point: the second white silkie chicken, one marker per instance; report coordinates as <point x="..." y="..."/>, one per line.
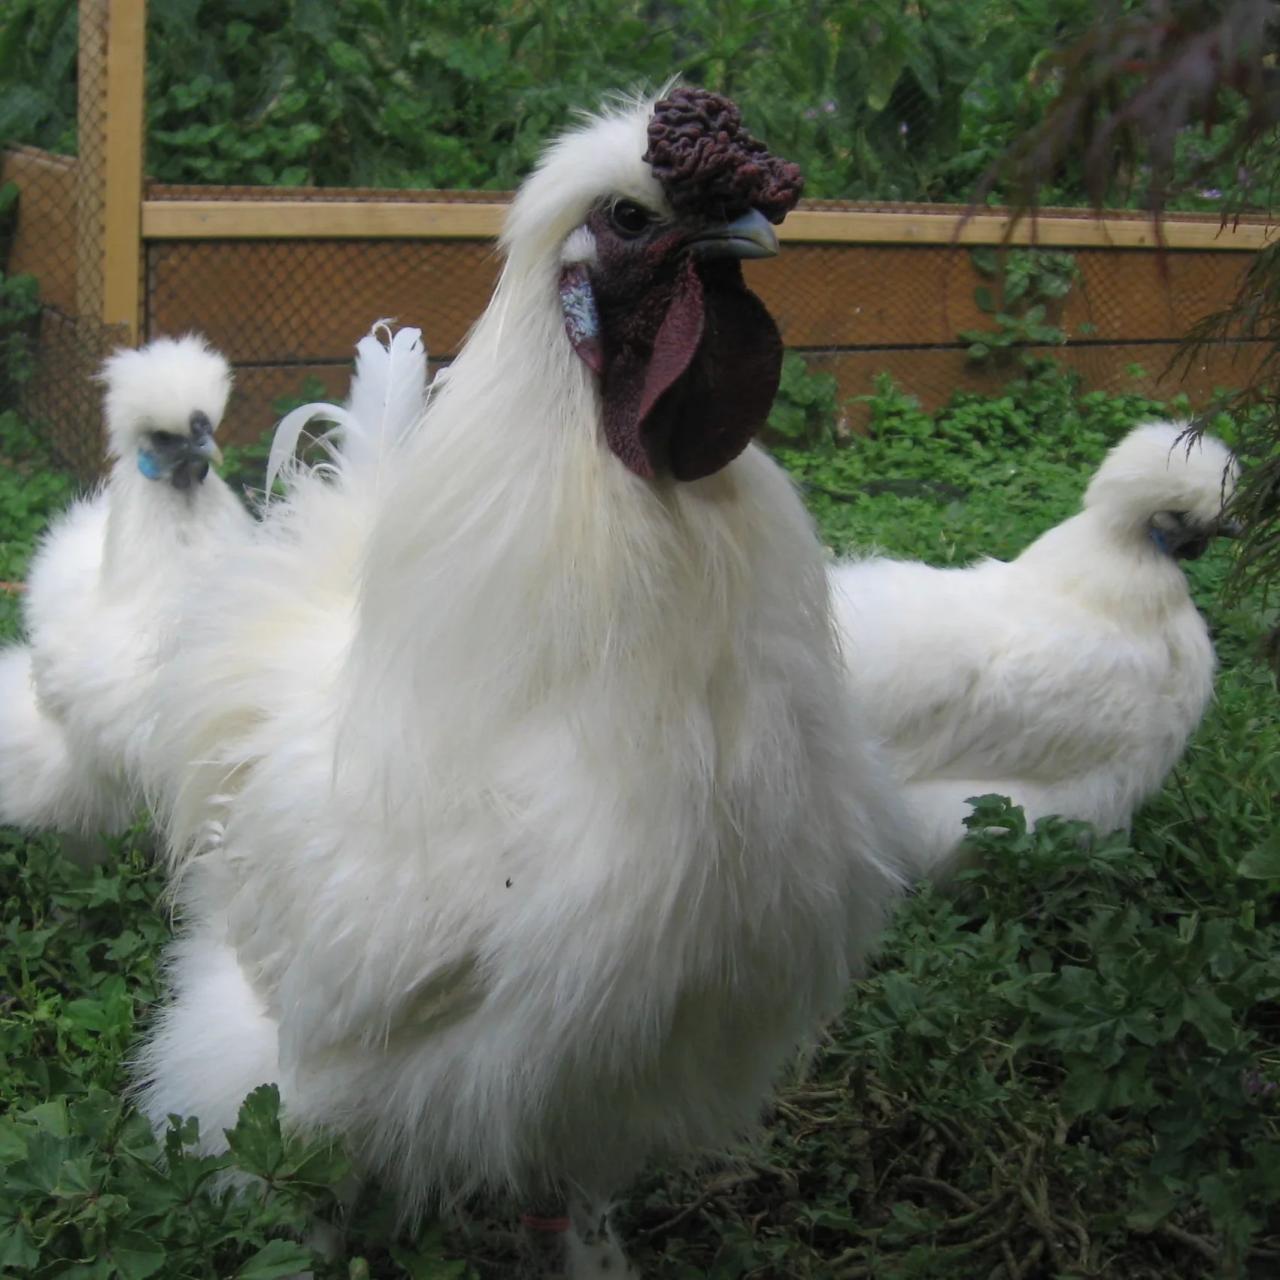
<point x="1068" y="679"/>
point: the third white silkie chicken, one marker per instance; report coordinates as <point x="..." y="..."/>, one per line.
<point x="1069" y="678"/>
<point x="99" y="611"/>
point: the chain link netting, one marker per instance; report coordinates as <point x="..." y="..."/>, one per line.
<point x="287" y="311"/>
<point x="56" y="239"/>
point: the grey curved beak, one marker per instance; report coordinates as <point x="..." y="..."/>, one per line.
<point x="202" y="444"/>
<point x="750" y="236"/>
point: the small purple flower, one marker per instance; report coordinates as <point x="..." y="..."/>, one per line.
<point x="903" y="128"/>
<point x="1243" y="176"/>
<point x="1210" y="193"/>
<point x="811" y="113"/>
<point x="1256" y="1085"/>
<point x="829" y="107"/>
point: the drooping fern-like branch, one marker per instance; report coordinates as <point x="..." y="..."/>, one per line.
<point x="1141" y="77"/>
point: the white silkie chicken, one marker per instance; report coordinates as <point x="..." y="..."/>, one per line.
<point x="100" y="606"/>
<point x="540" y="850"/>
<point x="1068" y="679"/>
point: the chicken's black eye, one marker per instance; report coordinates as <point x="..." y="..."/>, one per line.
<point x="629" y="219"/>
<point x="163" y="438"/>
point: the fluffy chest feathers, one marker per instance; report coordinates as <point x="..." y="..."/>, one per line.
<point x="156" y="536"/>
<point x="598" y="719"/>
<point x="593" y="770"/>
<point x="545" y="828"/>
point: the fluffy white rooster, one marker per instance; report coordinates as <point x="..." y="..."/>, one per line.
<point x="546" y="831"/>
<point x="102" y="590"/>
<point x="1068" y="679"/>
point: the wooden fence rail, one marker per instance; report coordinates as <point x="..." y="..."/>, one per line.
<point x="815" y="222"/>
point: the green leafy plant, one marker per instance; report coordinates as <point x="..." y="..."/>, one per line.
<point x="1031" y="286"/>
<point x="807" y="409"/>
<point x="876" y="100"/>
<point x="86" y="1183"/>
<point x="19" y="310"/>
<point x="32" y="488"/>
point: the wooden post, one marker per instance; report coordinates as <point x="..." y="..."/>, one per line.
<point x="112" y="68"/>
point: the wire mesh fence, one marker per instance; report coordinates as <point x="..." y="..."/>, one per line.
<point x="867" y="290"/>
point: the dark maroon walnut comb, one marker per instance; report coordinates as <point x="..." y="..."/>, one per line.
<point x="710" y="165"/>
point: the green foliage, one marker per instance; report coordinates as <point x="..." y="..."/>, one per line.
<point x="880" y="100"/>
<point x="875" y="100"/>
<point x="975" y="476"/>
<point x="38" y="46"/>
<point x="1033" y="285"/>
<point x="19" y="310"/>
<point x="1085" y="1019"/>
<point x="32" y="489"/>
<point x="85" y="1188"/>
<point x="807" y="409"/>
<point x="1157" y="99"/>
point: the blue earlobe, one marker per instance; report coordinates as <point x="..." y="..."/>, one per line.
<point x="1158" y="538"/>
<point x="581" y="319"/>
<point x="150" y="465"/>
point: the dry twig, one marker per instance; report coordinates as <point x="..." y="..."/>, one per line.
<point x="710" y="1192"/>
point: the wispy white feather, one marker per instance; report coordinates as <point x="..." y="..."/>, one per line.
<point x="288" y="433"/>
<point x="388" y="393"/>
<point x="387" y="397"/>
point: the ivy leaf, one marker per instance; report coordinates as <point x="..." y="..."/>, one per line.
<point x="51" y="1117"/>
<point x="1262" y="862"/>
<point x="256" y="1140"/>
<point x="136" y="1256"/>
<point x="275" y="1260"/>
<point x="16" y="1249"/>
<point x="323" y="1164"/>
<point x="426" y="1259"/>
<point x="13" y="1146"/>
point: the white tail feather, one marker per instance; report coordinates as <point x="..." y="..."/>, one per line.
<point x="387" y="397"/>
<point x="387" y="394"/>
<point x="284" y="444"/>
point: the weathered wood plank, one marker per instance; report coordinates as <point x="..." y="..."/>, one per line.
<point x="274" y="303"/>
<point x="888" y="295"/>
<point x="311" y="300"/>
<point x="210" y="218"/>
<point x="44" y="243"/>
<point x="123" y="143"/>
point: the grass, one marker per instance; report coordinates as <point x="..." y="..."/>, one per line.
<point x="1068" y="1068"/>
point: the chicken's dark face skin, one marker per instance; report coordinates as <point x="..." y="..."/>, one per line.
<point x="689" y="359"/>
<point x="180" y="458"/>
<point x="1176" y="534"/>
